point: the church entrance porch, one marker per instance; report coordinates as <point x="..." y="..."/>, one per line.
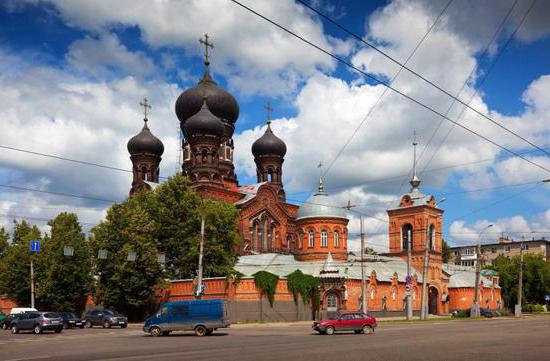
<point x="433" y="299"/>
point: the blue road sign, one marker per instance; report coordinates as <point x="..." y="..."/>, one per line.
<point x="35" y="246"/>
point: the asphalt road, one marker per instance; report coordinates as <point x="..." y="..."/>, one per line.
<point x="493" y="339"/>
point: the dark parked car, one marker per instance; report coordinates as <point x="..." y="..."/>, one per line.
<point x="37" y="322"/>
<point x="6" y="322"/>
<point x="349" y="321"/>
<point x="105" y="318"/>
<point x="71" y="321"/>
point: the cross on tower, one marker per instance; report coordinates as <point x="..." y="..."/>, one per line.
<point x="269" y="110"/>
<point x="207" y="45"/>
<point x="146" y="107"/>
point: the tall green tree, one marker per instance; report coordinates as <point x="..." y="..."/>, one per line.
<point x="15" y="264"/>
<point x="164" y="220"/>
<point x="65" y="281"/>
<point x="536" y="278"/>
<point x="4" y="241"/>
<point x="445" y="252"/>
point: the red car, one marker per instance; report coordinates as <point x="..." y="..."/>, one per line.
<point x="349" y="321"/>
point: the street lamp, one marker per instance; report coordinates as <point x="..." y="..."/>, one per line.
<point x="68" y="251"/>
<point x="474" y="312"/>
<point x="102" y="254"/>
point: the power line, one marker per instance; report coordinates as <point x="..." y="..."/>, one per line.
<point x="359" y="38"/>
<point x="336" y="57"/>
<point x="483" y="78"/>
<point x="38" y="219"/>
<point x="392" y="81"/>
<point x="77" y="161"/>
<point x="18" y="188"/>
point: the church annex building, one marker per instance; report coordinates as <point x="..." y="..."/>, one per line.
<point x="280" y="237"/>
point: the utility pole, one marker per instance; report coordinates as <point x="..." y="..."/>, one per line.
<point x="32" y="280"/>
<point x="363" y="280"/>
<point x="201" y="252"/>
<point x="409" y="277"/>
<point x="517" y="310"/>
<point x="474" y="312"/>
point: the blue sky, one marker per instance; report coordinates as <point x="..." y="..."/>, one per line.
<point x="74" y="72"/>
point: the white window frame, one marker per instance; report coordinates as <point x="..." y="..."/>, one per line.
<point x="324" y="239"/>
<point x="336" y="239"/>
<point x="311" y="239"/>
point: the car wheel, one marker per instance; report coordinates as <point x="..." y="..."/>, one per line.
<point x="65" y="325"/>
<point x="329" y="330"/>
<point x="367" y="329"/>
<point x="88" y="324"/>
<point x="155" y="331"/>
<point x="4" y="326"/>
<point x="37" y="330"/>
<point x="106" y="324"/>
<point x="200" y="331"/>
<point x="14" y="329"/>
<point x="58" y="330"/>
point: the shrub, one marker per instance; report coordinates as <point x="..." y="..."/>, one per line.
<point x="533" y="308"/>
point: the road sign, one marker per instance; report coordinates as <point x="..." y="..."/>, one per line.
<point x="35" y="246"/>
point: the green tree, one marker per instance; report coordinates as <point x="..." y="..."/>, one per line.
<point x="15" y="264"/>
<point x="65" y="281"/>
<point x="4" y="244"/>
<point x="445" y="252"/>
<point x="165" y="220"/>
<point x="536" y="278"/>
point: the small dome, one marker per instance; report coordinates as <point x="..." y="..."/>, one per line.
<point x="320" y="205"/>
<point x="221" y="103"/>
<point x="145" y="142"/>
<point x="269" y="143"/>
<point x="204" y="123"/>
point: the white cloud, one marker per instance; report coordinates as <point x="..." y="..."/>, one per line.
<point x="253" y="55"/>
<point x="102" y="55"/>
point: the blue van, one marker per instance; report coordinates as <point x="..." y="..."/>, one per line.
<point x="201" y="316"/>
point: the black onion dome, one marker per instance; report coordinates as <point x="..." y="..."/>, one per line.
<point x="203" y="122"/>
<point x="221" y="103"/>
<point x="145" y="142"/>
<point x="269" y="143"/>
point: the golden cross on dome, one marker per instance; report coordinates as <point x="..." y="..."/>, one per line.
<point x="207" y="45"/>
<point x="269" y="110"/>
<point x="146" y="107"/>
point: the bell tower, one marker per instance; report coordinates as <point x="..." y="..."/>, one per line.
<point x="417" y="219"/>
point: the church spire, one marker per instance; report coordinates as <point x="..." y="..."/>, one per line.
<point x="269" y="109"/>
<point x="207" y="46"/>
<point x="321" y="186"/>
<point x="415" y="181"/>
<point x="146" y="107"/>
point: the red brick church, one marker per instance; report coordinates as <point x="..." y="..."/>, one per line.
<point x="280" y="237"/>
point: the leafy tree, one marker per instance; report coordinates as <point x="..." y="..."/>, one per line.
<point x="165" y="220"/>
<point x="536" y="278"/>
<point x="4" y="244"/>
<point x="65" y="281"/>
<point x="15" y="264"/>
<point x="446" y="252"/>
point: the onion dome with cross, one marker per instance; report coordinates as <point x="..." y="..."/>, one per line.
<point x="145" y="142"/>
<point x="222" y="104"/>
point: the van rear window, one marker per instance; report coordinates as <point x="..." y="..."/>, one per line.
<point x="51" y="315"/>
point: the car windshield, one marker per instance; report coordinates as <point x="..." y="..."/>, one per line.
<point x="69" y="315"/>
<point x="108" y="313"/>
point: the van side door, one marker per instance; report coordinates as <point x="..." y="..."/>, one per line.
<point x="180" y="318"/>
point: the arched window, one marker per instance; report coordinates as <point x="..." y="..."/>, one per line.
<point x="324" y="239"/>
<point x="311" y="239"/>
<point x="336" y="239"/>
<point x="270" y="175"/>
<point x="406" y="236"/>
<point x="332" y="302"/>
<point x="204" y="156"/>
<point x="431" y="236"/>
<point x="144" y="173"/>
